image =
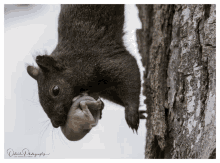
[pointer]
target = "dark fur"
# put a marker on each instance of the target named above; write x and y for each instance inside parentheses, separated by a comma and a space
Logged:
(90, 56)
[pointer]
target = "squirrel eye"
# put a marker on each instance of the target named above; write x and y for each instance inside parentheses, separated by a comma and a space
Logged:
(56, 90)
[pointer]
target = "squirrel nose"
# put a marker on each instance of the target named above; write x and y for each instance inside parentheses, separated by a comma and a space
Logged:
(56, 124)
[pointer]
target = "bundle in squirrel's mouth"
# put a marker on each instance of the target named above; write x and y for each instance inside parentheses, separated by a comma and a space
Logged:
(82, 117)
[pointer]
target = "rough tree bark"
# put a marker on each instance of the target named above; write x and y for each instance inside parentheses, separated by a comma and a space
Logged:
(178, 48)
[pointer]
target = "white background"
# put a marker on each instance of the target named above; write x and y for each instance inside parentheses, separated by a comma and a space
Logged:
(32, 30)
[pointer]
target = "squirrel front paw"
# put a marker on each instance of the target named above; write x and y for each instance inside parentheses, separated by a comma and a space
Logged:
(132, 118)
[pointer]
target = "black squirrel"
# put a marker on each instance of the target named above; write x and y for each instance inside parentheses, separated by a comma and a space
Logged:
(90, 57)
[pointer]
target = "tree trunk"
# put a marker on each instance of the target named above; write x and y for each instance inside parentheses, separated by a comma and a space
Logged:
(178, 48)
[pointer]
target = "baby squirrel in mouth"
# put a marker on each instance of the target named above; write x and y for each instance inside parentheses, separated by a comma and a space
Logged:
(82, 117)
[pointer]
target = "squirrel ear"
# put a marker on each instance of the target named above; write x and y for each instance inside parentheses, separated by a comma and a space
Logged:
(33, 72)
(48, 63)
(45, 62)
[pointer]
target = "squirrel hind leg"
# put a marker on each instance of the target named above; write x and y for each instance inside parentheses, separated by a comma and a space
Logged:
(141, 114)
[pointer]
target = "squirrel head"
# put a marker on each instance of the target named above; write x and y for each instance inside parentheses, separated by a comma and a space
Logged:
(55, 87)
